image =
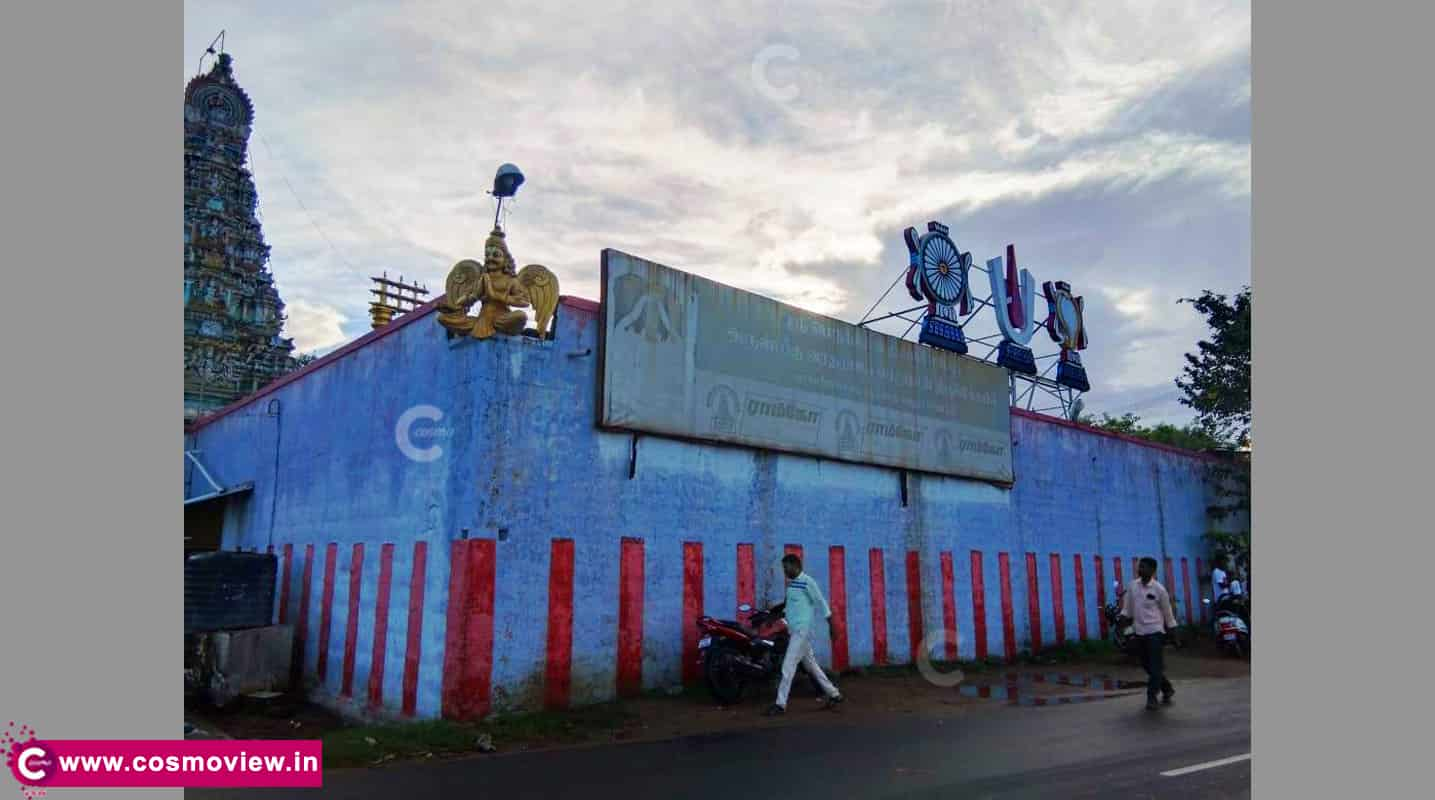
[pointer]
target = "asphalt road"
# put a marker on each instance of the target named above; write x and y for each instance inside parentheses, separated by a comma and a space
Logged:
(1111, 748)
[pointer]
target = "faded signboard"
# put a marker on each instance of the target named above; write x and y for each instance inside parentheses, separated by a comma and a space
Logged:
(689, 357)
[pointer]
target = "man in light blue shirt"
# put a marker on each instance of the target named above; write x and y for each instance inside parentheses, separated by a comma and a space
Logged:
(804, 602)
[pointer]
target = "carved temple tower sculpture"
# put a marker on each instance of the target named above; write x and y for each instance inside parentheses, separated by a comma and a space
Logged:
(232, 312)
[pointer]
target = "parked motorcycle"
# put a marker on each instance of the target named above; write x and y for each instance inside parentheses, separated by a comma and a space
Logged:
(1123, 633)
(734, 654)
(1231, 626)
(1123, 629)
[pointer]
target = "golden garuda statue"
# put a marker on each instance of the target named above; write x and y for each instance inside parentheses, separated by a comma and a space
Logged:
(501, 291)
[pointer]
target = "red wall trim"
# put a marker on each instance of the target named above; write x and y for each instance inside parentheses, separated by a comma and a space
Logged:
(301, 625)
(746, 580)
(1033, 602)
(949, 607)
(1200, 572)
(1008, 612)
(914, 603)
(1058, 600)
(326, 610)
(413, 649)
(692, 608)
(351, 631)
(1100, 595)
(468, 650)
(1186, 587)
(979, 606)
(1080, 582)
(284, 579)
(630, 617)
(558, 673)
(837, 583)
(381, 625)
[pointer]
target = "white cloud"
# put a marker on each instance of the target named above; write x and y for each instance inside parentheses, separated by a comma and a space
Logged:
(314, 326)
(642, 128)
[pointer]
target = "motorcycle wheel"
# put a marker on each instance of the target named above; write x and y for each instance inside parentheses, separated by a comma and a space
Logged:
(723, 678)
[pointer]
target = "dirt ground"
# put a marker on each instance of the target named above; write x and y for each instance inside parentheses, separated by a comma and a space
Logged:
(870, 695)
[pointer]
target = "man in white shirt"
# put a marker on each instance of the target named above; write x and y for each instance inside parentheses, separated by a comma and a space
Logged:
(804, 602)
(1221, 582)
(1148, 605)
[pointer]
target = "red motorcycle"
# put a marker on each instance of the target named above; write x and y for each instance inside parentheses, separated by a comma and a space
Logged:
(734, 653)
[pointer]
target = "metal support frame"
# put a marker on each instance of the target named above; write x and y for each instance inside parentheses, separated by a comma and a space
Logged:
(1025, 390)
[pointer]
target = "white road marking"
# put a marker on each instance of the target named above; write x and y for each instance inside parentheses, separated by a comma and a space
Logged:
(1208, 765)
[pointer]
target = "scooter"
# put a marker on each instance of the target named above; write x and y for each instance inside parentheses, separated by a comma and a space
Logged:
(1232, 631)
(734, 654)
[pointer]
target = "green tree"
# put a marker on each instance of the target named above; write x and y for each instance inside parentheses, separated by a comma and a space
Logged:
(1190, 437)
(1216, 382)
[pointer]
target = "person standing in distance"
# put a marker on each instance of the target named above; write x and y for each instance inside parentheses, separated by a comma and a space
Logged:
(1148, 605)
(804, 602)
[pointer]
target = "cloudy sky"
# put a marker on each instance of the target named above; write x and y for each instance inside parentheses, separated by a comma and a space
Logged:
(780, 147)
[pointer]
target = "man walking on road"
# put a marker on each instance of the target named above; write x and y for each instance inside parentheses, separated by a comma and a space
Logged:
(804, 601)
(1148, 605)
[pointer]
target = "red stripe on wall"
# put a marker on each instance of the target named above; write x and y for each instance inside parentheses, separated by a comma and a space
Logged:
(1058, 600)
(879, 605)
(301, 628)
(1171, 583)
(1100, 595)
(558, 671)
(914, 603)
(979, 606)
(630, 617)
(453, 655)
(746, 580)
(1200, 573)
(413, 649)
(351, 631)
(1116, 566)
(1008, 613)
(792, 549)
(1135, 567)
(468, 649)
(692, 607)
(326, 609)
(381, 625)
(1033, 602)
(837, 582)
(1080, 580)
(949, 607)
(1186, 588)
(284, 578)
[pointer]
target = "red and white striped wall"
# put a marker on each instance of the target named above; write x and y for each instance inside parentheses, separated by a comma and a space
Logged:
(456, 629)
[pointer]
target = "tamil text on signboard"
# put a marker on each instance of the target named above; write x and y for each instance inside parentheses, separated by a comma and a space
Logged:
(689, 357)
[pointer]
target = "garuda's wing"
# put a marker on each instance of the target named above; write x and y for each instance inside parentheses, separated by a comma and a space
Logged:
(462, 285)
(542, 287)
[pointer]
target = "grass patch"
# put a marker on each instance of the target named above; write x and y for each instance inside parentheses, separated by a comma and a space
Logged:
(351, 747)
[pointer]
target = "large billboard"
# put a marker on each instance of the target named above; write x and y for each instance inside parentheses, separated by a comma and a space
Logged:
(687, 357)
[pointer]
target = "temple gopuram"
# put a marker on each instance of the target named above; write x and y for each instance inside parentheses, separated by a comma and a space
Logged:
(233, 316)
